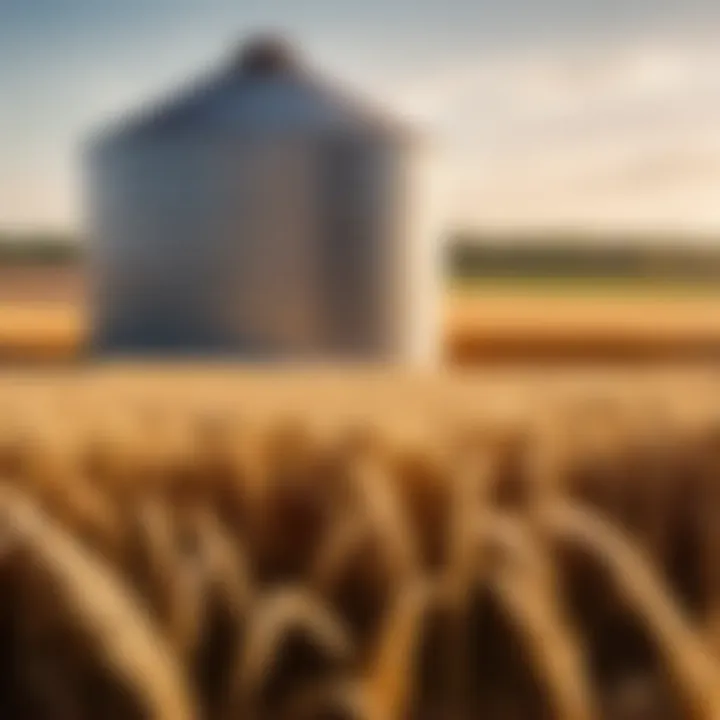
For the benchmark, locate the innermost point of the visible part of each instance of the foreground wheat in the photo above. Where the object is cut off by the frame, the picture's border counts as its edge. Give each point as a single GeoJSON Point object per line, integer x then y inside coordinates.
{"type": "Point", "coordinates": [161, 563]}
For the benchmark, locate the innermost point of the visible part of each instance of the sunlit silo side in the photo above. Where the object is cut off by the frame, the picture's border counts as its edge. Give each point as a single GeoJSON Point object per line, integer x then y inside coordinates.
{"type": "Point", "coordinates": [263, 213]}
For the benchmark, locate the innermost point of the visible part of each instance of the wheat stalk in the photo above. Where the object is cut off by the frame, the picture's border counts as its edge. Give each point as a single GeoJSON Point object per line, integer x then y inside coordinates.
{"type": "Point", "coordinates": [388, 687]}
{"type": "Point", "coordinates": [273, 618]}
{"type": "Point", "coordinates": [105, 609]}
{"type": "Point", "coordinates": [686, 656]}
{"type": "Point", "coordinates": [525, 585]}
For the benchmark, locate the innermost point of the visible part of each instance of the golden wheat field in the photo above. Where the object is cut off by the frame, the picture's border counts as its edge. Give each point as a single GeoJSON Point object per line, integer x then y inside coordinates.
{"type": "Point", "coordinates": [43, 316]}
{"type": "Point", "coordinates": [477, 329]}
{"type": "Point", "coordinates": [197, 543]}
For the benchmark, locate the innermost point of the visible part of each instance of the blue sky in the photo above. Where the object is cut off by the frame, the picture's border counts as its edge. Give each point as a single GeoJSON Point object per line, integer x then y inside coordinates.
{"type": "Point", "coordinates": [551, 112]}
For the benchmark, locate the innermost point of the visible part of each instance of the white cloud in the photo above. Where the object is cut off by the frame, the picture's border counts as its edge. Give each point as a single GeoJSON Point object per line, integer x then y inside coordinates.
{"type": "Point", "coordinates": [597, 133]}
{"type": "Point", "coordinates": [592, 134]}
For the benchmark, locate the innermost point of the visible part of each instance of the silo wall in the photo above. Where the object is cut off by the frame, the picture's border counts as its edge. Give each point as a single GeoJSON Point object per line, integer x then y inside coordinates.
{"type": "Point", "coordinates": [378, 254]}
{"type": "Point", "coordinates": [202, 245]}
{"type": "Point", "coordinates": [266, 246]}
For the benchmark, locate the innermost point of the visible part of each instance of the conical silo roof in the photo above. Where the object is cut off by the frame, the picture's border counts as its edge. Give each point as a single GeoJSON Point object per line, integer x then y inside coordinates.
{"type": "Point", "coordinates": [265, 88]}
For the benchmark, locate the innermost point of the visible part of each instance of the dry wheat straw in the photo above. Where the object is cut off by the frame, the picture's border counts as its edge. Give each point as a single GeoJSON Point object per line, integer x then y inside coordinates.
{"type": "Point", "coordinates": [112, 617]}
{"type": "Point", "coordinates": [686, 656]}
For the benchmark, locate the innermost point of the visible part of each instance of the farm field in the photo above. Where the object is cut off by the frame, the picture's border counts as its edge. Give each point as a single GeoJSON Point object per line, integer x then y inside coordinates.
{"type": "Point", "coordinates": [42, 316]}
{"type": "Point", "coordinates": [357, 544]}
{"type": "Point", "coordinates": [298, 544]}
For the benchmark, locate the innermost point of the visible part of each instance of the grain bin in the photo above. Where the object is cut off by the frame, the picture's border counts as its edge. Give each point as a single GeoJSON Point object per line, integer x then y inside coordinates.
{"type": "Point", "coordinates": [263, 213]}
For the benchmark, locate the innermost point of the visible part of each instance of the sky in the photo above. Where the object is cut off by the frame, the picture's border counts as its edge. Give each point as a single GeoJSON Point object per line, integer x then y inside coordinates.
{"type": "Point", "coordinates": [591, 114]}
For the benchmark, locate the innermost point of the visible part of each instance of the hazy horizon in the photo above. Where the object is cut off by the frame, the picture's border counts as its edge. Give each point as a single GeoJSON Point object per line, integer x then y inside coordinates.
{"type": "Point", "coordinates": [602, 117]}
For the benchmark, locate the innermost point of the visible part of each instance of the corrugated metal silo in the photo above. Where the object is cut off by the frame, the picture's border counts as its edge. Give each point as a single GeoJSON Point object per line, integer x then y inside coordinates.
{"type": "Point", "coordinates": [263, 213]}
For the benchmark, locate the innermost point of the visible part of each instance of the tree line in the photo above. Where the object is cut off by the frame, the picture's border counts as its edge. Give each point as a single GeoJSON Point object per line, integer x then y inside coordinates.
{"type": "Point", "coordinates": [468, 256]}
{"type": "Point", "coordinates": [471, 256]}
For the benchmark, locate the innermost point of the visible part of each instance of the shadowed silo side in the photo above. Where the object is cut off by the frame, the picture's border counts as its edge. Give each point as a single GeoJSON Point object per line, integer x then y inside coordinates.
{"type": "Point", "coordinates": [262, 213]}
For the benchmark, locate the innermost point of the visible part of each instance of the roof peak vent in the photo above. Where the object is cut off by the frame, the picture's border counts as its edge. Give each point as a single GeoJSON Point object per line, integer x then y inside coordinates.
{"type": "Point", "coordinates": [267, 56]}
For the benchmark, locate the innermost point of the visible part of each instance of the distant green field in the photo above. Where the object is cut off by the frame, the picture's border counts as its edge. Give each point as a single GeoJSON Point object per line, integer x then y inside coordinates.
{"type": "Point", "coordinates": [585, 286]}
